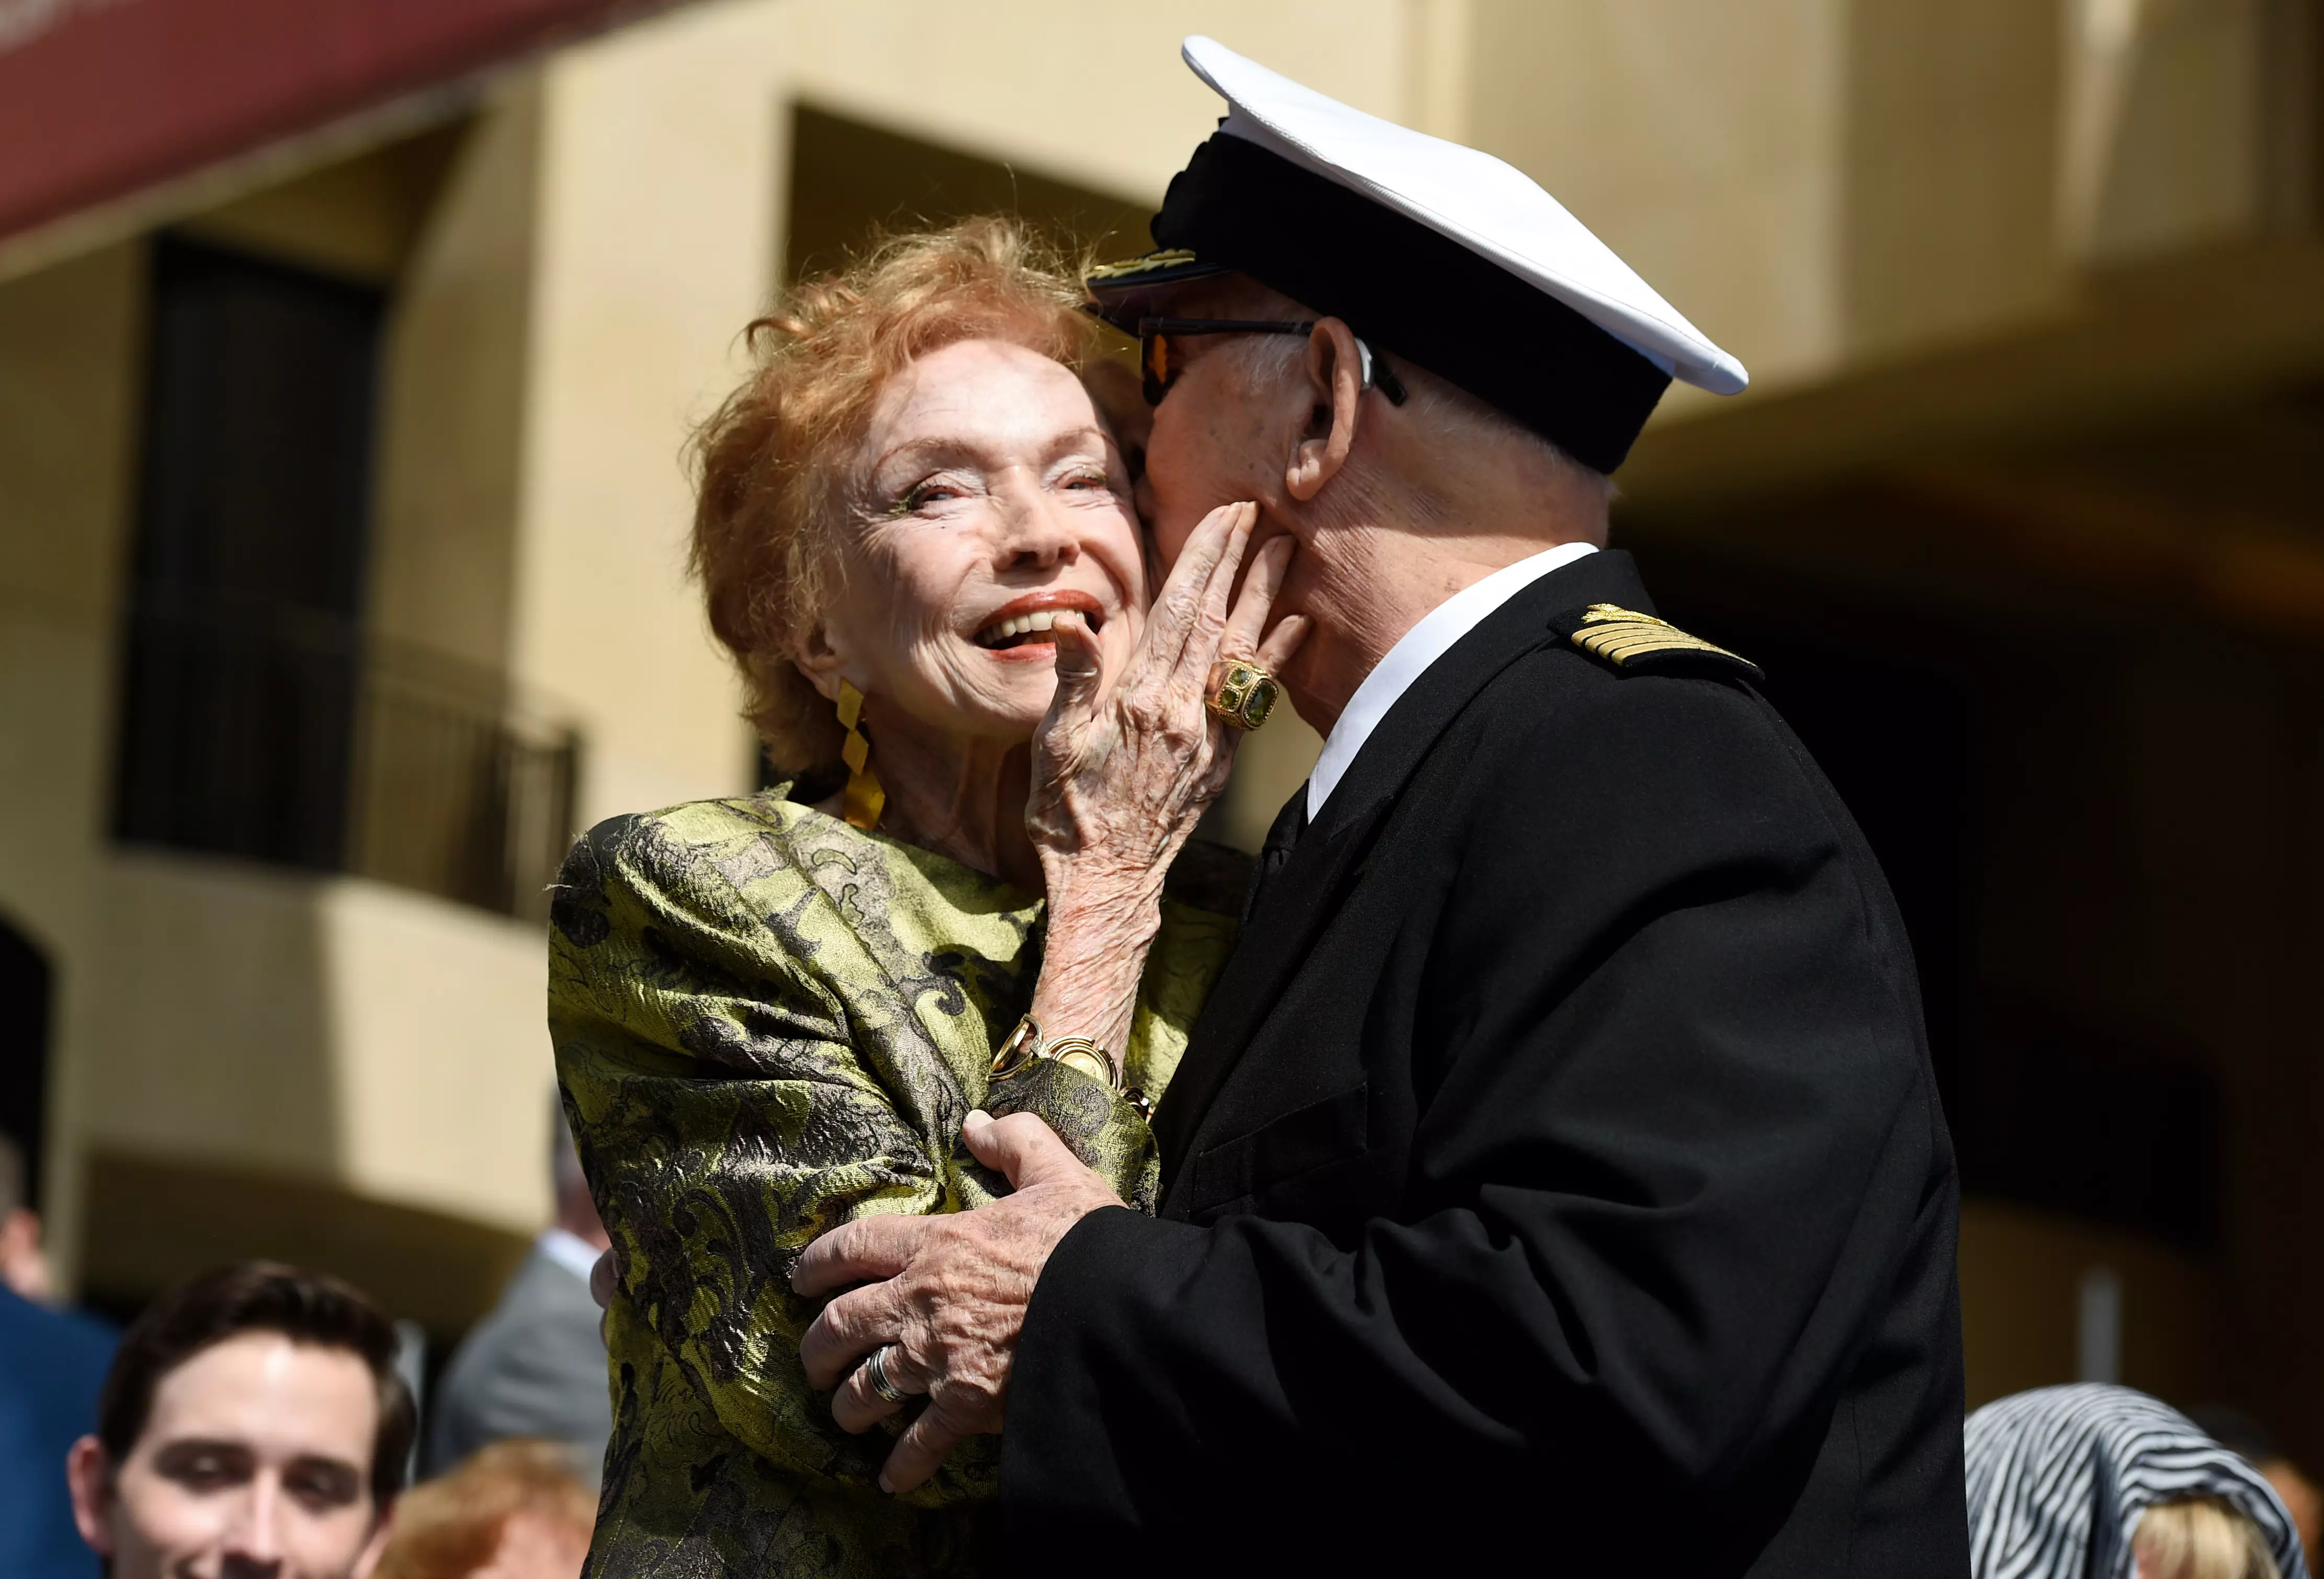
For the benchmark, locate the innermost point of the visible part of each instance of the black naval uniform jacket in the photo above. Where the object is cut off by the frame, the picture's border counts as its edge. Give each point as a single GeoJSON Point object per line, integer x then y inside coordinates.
{"type": "Point", "coordinates": [1555, 1173]}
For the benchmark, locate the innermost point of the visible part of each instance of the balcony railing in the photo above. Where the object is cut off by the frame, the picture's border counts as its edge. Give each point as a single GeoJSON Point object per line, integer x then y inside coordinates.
{"type": "Point", "coordinates": [288, 738]}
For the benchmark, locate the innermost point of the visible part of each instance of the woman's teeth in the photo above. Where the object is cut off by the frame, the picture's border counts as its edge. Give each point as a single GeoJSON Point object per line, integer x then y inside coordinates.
{"type": "Point", "coordinates": [1006, 633]}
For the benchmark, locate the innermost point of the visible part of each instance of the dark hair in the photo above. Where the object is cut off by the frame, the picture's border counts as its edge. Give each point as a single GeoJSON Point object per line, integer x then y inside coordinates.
{"type": "Point", "coordinates": [267, 1297]}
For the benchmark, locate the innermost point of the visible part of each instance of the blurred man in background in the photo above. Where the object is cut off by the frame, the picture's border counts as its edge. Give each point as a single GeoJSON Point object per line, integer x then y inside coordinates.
{"type": "Point", "coordinates": [51, 1365]}
{"type": "Point", "coordinates": [536, 1366]}
{"type": "Point", "coordinates": [253, 1424]}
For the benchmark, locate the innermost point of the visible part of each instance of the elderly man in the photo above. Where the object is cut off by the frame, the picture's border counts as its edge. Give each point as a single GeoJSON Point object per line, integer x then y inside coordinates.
{"type": "Point", "coordinates": [1558, 1163]}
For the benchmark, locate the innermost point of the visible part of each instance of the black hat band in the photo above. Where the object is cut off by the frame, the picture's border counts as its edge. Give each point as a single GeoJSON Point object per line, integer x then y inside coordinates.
{"type": "Point", "coordinates": [1415, 292]}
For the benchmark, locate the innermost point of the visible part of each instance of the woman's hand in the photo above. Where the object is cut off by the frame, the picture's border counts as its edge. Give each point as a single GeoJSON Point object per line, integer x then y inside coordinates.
{"type": "Point", "coordinates": [1122, 774]}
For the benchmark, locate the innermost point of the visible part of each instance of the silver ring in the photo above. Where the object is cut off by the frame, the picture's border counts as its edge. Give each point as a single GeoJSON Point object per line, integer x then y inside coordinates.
{"type": "Point", "coordinates": [875, 1370]}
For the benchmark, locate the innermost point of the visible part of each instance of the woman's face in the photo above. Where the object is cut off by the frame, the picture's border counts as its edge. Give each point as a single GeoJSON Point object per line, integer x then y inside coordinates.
{"type": "Point", "coordinates": [987, 497]}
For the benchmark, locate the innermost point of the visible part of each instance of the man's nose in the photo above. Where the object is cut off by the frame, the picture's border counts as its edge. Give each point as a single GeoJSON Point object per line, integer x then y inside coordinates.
{"type": "Point", "coordinates": [254, 1540]}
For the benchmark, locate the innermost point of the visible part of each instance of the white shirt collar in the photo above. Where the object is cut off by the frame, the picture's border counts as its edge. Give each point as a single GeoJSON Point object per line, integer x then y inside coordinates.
{"type": "Point", "coordinates": [1413, 656]}
{"type": "Point", "coordinates": [568, 1250]}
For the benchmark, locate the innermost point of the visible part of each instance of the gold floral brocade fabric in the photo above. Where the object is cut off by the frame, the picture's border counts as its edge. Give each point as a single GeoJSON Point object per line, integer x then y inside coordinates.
{"type": "Point", "coordinates": [768, 1023]}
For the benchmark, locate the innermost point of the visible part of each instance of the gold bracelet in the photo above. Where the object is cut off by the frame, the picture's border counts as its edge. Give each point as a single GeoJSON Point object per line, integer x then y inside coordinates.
{"type": "Point", "coordinates": [1026, 1044]}
{"type": "Point", "coordinates": [1019, 1047]}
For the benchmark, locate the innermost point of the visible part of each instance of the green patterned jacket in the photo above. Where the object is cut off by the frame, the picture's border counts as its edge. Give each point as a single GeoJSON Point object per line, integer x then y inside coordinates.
{"type": "Point", "coordinates": [768, 1023]}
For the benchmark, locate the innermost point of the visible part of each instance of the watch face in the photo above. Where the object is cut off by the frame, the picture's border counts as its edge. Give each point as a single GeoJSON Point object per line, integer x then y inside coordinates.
{"type": "Point", "coordinates": [1087, 1063]}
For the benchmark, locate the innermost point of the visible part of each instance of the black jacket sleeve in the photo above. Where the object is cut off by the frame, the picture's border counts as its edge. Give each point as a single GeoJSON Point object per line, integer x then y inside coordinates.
{"type": "Point", "coordinates": [1671, 1133]}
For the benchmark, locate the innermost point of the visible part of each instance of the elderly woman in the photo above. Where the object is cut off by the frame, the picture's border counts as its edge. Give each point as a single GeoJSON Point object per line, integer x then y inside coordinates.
{"type": "Point", "coordinates": [774, 1013]}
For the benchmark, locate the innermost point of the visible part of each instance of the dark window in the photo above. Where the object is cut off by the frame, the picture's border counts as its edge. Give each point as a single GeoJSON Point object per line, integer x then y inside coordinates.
{"type": "Point", "coordinates": [243, 650]}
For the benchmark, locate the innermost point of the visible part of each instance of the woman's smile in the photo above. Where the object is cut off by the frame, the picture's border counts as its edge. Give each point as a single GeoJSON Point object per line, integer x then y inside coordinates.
{"type": "Point", "coordinates": [1019, 630]}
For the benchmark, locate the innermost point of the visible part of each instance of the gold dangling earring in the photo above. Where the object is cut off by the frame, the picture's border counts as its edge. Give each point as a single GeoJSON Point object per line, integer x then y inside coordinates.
{"type": "Point", "coordinates": [866, 798]}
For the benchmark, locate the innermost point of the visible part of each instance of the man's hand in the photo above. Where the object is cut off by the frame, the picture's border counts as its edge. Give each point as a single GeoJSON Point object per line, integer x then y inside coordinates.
{"type": "Point", "coordinates": [955, 1295]}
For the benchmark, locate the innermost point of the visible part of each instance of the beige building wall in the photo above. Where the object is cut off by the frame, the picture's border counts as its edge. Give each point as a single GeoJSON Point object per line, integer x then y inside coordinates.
{"type": "Point", "coordinates": [70, 340]}
{"type": "Point", "coordinates": [1951, 147]}
{"type": "Point", "coordinates": [1828, 185]}
{"type": "Point", "coordinates": [328, 1028]}
{"type": "Point", "coordinates": [1703, 143]}
{"type": "Point", "coordinates": [212, 1015]}
{"type": "Point", "coordinates": [2170, 122]}
{"type": "Point", "coordinates": [452, 410]}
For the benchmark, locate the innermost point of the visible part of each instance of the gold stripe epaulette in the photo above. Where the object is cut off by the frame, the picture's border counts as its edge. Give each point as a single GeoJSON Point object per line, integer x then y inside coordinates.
{"type": "Point", "coordinates": [1636, 643]}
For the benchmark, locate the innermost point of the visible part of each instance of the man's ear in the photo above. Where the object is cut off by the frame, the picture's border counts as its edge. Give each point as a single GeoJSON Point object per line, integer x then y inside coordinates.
{"type": "Point", "coordinates": [88, 1475]}
{"type": "Point", "coordinates": [1335, 388]}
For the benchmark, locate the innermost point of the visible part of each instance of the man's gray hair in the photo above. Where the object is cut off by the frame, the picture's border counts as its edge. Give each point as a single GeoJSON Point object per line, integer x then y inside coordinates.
{"type": "Point", "coordinates": [1451, 406]}
{"type": "Point", "coordinates": [1435, 400]}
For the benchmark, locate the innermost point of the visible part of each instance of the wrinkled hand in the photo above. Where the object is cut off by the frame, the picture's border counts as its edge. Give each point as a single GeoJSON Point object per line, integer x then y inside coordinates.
{"type": "Point", "coordinates": [1122, 774]}
{"type": "Point", "coordinates": [953, 1296]}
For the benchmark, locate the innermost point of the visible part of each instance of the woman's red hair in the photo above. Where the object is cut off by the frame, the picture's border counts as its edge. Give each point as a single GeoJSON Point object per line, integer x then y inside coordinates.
{"type": "Point", "coordinates": [774, 462]}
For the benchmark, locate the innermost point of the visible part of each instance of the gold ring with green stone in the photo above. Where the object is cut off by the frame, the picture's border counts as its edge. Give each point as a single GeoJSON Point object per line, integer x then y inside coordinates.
{"type": "Point", "coordinates": [1244, 695]}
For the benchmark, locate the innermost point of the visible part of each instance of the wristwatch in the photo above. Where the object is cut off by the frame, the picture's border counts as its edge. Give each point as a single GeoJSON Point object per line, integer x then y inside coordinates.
{"type": "Point", "coordinates": [1026, 1045]}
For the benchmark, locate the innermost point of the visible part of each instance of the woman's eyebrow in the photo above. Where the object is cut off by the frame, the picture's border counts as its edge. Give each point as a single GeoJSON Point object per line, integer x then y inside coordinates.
{"type": "Point", "coordinates": [938, 448]}
{"type": "Point", "coordinates": [922, 450]}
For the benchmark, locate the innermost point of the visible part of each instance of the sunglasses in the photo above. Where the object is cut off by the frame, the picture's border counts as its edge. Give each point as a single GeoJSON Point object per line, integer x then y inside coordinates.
{"type": "Point", "coordinates": [1159, 360]}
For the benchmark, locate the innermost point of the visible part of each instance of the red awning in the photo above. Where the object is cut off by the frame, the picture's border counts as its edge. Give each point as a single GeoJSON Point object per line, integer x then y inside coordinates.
{"type": "Point", "coordinates": [100, 98]}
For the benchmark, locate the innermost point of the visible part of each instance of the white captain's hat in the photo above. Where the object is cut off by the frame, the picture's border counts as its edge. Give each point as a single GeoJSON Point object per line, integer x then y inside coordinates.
{"type": "Point", "coordinates": [1429, 250]}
